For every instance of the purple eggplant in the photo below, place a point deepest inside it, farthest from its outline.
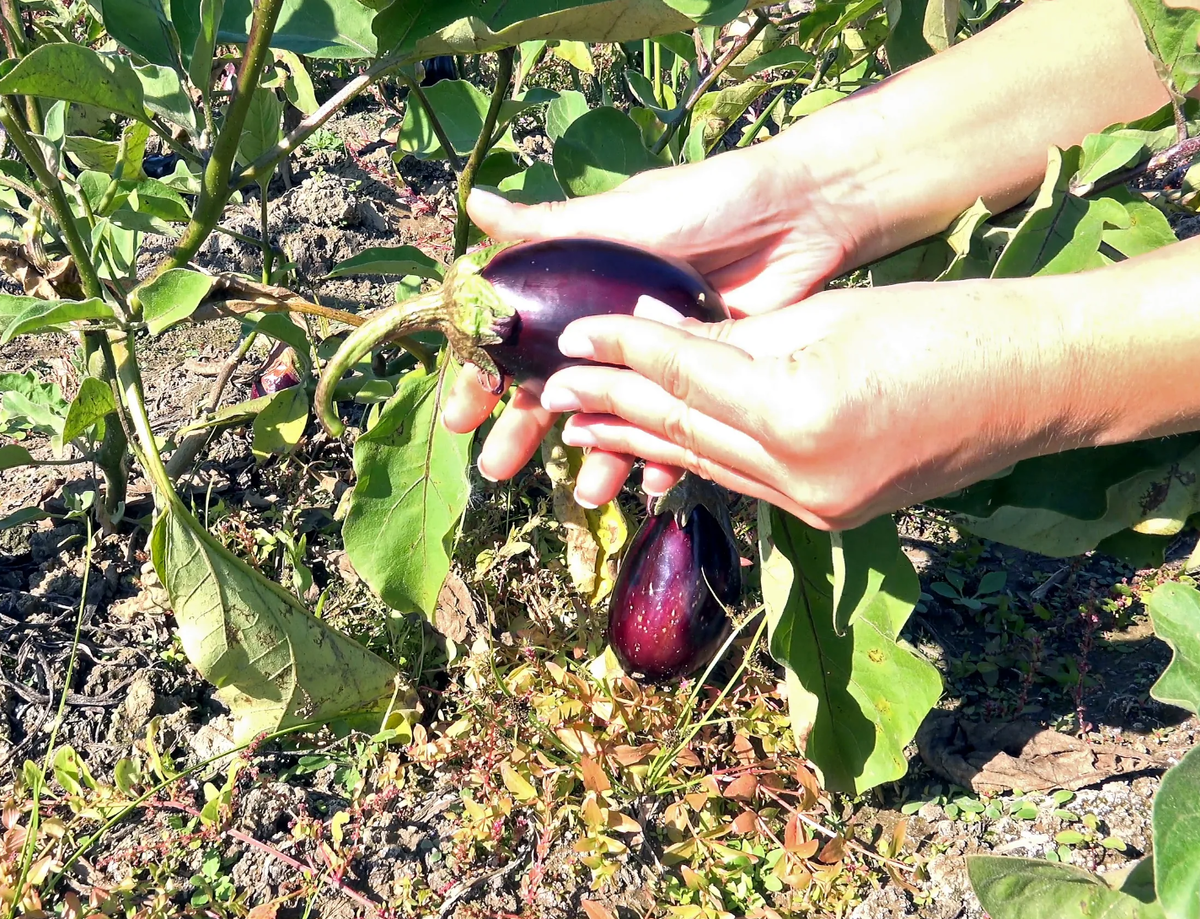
(280, 372)
(667, 616)
(503, 308)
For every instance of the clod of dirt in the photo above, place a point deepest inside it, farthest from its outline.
(213, 738)
(134, 714)
(1002, 756)
(323, 200)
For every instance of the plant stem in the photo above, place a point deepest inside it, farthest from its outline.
(675, 119)
(215, 188)
(269, 160)
(434, 122)
(647, 58)
(466, 180)
(11, 121)
(657, 72)
(268, 254)
(130, 378)
(191, 156)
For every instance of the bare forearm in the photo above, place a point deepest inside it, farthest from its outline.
(975, 121)
(1133, 334)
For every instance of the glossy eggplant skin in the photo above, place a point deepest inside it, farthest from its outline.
(551, 283)
(667, 617)
(280, 373)
(439, 68)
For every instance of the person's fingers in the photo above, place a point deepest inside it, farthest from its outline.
(614, 436)
(705, 377)
(468, 404)
(658, 479)
(601, 476)
(515, 436)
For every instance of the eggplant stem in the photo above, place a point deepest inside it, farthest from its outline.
(421, 313)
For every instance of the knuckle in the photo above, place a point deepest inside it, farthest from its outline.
(678, 427)
(673, 377)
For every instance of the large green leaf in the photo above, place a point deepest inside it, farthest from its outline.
(26, 403)
(171, 297)
(600, 150)
(272, 662)
(314, 28)
(401, 260)
(1154, 502)
(906, 43)
(1060, 233)
(862, 558)
(1171, 35)
(142, 26)
(15, 455)
(1177, 838)
(37, 315)
(535, 185)
(859, 697)
(461, 108)
(77, 74)
(569, 105)
(163, 94)
(411, 492)
(91, 405)
(1018, 888)
(1175, 613)
(475, 26)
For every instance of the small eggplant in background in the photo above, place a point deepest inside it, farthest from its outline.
(439, 68)
(667, 615)
(280, 372)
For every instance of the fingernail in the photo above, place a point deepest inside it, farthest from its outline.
(487, 475)
(557, 399)
(652, 492)
(649, 308)
(584, 502)
(575, 343)
(578, 437)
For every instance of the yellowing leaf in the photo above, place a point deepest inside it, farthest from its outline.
(516, 783)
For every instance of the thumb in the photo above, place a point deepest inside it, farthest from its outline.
(501, 219)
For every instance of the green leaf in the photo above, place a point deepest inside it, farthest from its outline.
(313, 28)
(1175, 613)
(299, 88)
(969, 259)
(171, 297)
(272, 662)
(1104, 154)
(922, 261)
(717, 111)
(1177, 838)
(460, 108)
(1060, 233)
(77, 74)
(599, 151)
(1017, 888)
(1155, 501)
(21, 517)
(906, 43)
(535, 185)
(204, 18)
(281, 327)
(1171, 34)
(401, 260)
(789, 57)
(37, 315)
(92, 154)
(142, 26)
(164, 95)
(473, 26)
(31, 403)
(264, 126)
(575, 53)
(412, 485)
(91, 405)
(815, 101)
(279, 427)
(12, 455)
(862, 558)
(860, 697)
(710, 12)
(1148, 229)
(562, 111)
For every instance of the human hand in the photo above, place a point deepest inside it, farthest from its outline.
(855, 403)
(754, 221)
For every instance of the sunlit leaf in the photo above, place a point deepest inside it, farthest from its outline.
(1175, 613)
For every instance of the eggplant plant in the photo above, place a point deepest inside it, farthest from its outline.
(153, 119)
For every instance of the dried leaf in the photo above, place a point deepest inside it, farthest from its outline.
(744, 750)
(745, 822)
(594, 910)
(792, 834)
(806, 849)
(630, 756)
(594, 778)
(812, 788)
(834, 851)
(687, 757)
(696, 800)
(743, 787)
(623, 823)
(455, 614)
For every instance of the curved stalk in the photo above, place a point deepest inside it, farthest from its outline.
(421, 313)
(466, 181)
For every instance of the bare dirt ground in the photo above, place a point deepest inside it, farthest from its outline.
(348, 827)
